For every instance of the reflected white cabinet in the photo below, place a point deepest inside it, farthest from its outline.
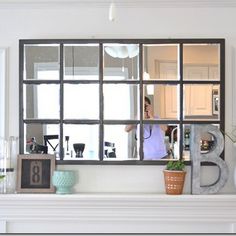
(198, 100)
(166, 97)
(201, 72)
(171, 107)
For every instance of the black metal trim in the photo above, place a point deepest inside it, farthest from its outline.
(124, 41)
(141, 102)
(181, 100)
(41, 121)
(81, 82)
(37, 81)
(61, 75)
(21, 102)
(101, 104)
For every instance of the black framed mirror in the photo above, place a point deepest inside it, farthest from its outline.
(113, 101)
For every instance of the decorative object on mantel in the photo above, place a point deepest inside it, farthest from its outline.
(213, 156)
(64, 180)
(34, 173)
(174, 176)
(232, 137)
(8, 156)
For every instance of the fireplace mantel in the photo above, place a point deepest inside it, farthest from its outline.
(117, 213)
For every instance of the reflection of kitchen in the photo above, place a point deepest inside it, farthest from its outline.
(200, 101)
(172, 142)
(201, 62)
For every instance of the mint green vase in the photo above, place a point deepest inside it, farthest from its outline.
(64, 180)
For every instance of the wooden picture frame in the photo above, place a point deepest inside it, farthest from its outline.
(34, 173)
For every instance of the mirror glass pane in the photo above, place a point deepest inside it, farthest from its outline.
(201, 101)
(81, 101)
(41, 62)
(201, 62)
(81, 142)
(81, 62)
(37, 103)
(160, 62)
(41, 138)
(121, 101)
(207, 142)
(119, 144)
(160, 141)
(121, 61)
(161, 101)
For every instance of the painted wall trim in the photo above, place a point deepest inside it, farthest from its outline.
(120, 3)
(4, 93)
(116, 213)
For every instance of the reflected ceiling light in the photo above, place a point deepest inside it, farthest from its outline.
(112, 12)
(133, 50)
(122, 51)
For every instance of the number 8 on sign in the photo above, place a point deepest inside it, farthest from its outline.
(35, 172)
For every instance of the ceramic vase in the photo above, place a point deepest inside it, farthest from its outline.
(64, 180)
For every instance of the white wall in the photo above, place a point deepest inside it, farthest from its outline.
(83, 22)
(3, 94)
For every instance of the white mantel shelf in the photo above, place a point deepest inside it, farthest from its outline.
(117, 213)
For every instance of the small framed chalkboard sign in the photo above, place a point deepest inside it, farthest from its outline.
(34, 173)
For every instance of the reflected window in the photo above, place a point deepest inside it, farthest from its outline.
(40, 58)
(120, 101)
(81, 62)
(78, 104)
(39, 106)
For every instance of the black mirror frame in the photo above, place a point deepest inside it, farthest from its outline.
(101, 121)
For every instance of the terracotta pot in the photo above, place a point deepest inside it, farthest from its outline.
(174, 181)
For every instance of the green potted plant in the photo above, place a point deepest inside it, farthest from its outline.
(174, 176)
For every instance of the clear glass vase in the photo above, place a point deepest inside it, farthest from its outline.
(8, 159)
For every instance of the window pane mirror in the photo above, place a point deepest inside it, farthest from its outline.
(121, 61)
(161, 101)
(206, 144)
(39, 106)
(81, 142)
(201, 62)
(115, 143)
(41, 62)
(117, 101)
(41, 138)
(81, 62)
(161, 61)
(121, 101)
(78, 104)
